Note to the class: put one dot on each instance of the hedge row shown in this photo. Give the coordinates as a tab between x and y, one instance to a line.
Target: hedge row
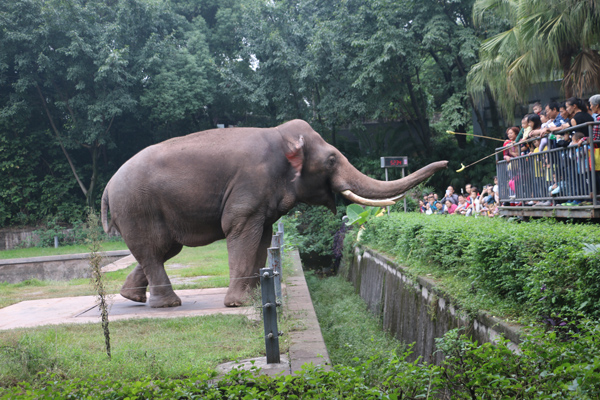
547	367
551	269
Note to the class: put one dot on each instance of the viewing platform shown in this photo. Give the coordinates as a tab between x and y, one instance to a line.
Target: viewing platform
559	182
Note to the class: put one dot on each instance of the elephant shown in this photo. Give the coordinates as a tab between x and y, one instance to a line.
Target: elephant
232	184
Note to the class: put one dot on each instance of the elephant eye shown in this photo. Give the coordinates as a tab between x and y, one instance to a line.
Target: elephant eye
331	161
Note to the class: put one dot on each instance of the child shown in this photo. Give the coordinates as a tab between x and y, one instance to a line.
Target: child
492	210
440	208
577	140
461	208
473	206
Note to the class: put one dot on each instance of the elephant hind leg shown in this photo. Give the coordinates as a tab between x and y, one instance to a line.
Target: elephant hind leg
162	294
135	285
150	273
161	291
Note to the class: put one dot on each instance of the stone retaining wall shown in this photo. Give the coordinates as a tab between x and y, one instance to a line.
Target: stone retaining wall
413	310
55	268
11	238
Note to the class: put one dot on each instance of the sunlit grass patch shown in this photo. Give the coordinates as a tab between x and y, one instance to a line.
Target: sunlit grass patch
51	251
156	348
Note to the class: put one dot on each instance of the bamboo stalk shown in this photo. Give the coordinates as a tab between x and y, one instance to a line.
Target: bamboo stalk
493	154
472	134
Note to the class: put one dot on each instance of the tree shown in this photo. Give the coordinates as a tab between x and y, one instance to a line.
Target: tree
83	65
547	40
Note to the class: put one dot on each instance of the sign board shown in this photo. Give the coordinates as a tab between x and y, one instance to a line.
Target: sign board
390	162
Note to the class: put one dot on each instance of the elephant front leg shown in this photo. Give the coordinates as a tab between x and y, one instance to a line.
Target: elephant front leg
247	255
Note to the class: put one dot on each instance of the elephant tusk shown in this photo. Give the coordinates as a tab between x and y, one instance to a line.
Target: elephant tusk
370	202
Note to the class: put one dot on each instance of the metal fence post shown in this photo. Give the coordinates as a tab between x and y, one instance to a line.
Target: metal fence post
280	232
274	257
270	315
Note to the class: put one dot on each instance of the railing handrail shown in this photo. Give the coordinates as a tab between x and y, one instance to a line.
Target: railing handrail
561	132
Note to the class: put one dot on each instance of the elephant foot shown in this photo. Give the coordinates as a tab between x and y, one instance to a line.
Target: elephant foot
163	301
135	286
134	294
235	299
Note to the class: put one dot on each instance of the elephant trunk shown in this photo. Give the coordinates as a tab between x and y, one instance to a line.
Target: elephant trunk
367	191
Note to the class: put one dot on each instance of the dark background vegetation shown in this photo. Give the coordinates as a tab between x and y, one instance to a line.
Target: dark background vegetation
84	85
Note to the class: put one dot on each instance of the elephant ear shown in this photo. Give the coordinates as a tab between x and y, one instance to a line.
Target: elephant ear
295	155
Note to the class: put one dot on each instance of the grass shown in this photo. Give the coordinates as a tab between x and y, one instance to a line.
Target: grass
353	335
143	348
51	251
193	268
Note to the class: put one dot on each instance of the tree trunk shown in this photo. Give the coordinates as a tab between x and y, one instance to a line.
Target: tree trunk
565	55
496	129
90	193
58	137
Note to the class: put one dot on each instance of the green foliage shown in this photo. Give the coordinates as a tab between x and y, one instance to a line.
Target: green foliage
353	335
85	85
315	227
540	267
31	187
547	367
78	233
358	215
543	42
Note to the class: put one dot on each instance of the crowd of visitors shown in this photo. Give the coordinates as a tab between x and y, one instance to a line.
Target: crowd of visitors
470	201
541	131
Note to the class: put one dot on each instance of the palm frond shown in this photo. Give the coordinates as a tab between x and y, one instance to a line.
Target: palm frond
545	34
505	8
584	73
504	42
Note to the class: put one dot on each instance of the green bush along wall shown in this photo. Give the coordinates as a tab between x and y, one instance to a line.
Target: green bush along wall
544	268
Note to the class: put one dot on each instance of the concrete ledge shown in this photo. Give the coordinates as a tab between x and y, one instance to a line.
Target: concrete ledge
57	268
414	310
307	345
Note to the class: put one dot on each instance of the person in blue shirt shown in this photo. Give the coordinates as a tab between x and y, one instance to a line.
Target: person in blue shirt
552	112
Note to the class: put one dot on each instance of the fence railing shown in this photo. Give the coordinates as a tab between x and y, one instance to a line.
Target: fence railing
270	283
557	175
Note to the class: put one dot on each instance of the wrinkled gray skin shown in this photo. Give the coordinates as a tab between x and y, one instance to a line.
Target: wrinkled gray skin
226	183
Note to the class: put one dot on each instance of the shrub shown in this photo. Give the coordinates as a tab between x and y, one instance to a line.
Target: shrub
547	367
78	233
541	266
312	229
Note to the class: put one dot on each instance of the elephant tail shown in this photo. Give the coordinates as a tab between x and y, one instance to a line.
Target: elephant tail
105	207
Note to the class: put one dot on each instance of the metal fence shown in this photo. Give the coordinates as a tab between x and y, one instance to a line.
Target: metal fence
270	283
557	175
